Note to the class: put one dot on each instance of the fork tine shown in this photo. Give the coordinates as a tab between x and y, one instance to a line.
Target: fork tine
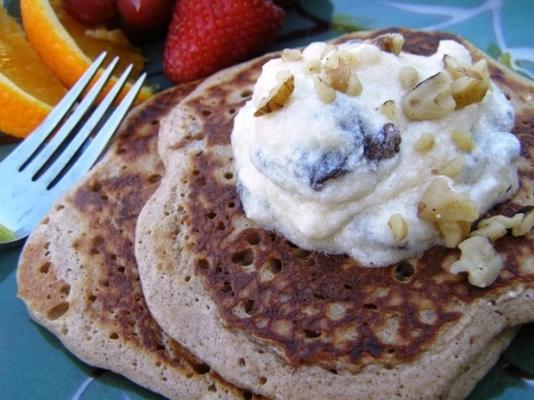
64	131
59	163
102	138
28	147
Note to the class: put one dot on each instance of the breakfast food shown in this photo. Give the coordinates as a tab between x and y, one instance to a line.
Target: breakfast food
334	188
28	90
78	276
294	323
206	35
68	47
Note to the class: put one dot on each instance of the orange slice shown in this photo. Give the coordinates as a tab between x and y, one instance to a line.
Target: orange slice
28	89
68	47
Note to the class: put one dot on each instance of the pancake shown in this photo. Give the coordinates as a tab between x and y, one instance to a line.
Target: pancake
78	277
290	323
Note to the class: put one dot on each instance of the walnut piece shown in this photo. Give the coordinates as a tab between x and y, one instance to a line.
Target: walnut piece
389	42
480	260
470	82
463	140
408	77
278	96
425	143
429	99
450	211
399	227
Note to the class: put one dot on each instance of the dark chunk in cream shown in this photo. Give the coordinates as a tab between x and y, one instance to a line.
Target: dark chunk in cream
331	166
384	145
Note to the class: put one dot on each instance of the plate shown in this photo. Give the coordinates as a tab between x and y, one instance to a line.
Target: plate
34	364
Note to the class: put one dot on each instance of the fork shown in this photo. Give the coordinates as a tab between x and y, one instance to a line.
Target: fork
60	151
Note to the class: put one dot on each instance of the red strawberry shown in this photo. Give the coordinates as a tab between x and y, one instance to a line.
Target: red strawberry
207	35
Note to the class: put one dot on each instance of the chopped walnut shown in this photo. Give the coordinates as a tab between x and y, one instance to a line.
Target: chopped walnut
441	203
453	168
480	260
463	140
289	55
430	99
425	143
389	42
278	96
313	67
408	77
388	109
449	210
470	82
398	226
527	223
325	93
342	78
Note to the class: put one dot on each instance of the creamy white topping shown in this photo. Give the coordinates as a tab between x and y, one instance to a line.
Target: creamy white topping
307	172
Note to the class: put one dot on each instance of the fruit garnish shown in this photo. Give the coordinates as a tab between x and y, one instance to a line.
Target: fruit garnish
28	89
208	35
145	14
92	12
68	47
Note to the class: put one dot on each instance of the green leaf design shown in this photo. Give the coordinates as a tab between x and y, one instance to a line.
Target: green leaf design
349	23
6	235
494	51
506	59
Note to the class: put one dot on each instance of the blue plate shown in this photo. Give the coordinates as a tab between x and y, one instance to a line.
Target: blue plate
33	363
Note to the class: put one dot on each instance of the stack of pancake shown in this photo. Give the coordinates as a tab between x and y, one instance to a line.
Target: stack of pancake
150	268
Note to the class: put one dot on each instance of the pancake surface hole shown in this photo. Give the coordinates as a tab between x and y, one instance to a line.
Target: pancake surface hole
310	334
249	306
202	263
273	265
254	238
44	268
243	258
246	93
58	310
201	368
227	287
65	290
404	271
154	178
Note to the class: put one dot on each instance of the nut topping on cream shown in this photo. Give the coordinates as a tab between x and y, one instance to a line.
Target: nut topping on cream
389	42
480	260
430	99
359	145
279	95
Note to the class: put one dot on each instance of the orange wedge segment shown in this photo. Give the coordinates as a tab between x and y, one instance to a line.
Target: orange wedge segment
68	47
28	89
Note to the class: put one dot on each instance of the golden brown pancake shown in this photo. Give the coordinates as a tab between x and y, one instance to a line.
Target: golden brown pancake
78	275
320	326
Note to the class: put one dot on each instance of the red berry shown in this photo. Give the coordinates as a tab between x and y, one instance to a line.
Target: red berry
145	14
91	12
207	35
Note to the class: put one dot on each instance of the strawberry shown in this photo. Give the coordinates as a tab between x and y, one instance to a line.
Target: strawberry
207	35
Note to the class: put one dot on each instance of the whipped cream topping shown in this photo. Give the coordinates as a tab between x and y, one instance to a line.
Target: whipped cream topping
330	176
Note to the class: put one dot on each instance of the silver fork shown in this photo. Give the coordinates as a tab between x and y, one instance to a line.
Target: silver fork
43	166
